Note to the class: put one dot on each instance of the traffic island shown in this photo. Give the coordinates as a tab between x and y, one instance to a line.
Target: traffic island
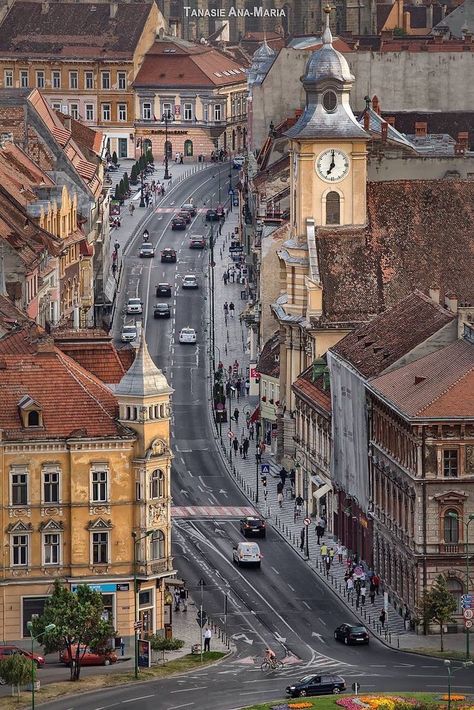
55	691
380	701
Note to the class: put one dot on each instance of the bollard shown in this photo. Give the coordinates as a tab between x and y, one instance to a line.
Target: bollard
398	641
390	637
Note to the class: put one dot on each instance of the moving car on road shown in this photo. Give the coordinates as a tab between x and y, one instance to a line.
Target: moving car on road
348	633
168	255
247	553
147	250
6	651
161	310
163	290
238	161
185	215
189	281
129	333
316	685
189	207
197	241
178	222
252	526
187	335
134	305
212	216
88	656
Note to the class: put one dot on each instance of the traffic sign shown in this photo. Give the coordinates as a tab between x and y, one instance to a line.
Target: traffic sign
468	623
201	618
468	613
356	687
307	521
231	435
231	192
264	468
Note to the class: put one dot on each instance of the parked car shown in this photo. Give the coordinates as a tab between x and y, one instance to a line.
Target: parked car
238	161
189	207
6	651
211	216
163	290
178	222
161	310
168	255
88	656
189	281
185	215
235	201
247	553
187	335
147	250
129	333
134	305
348	633
252	526
316	685
197	241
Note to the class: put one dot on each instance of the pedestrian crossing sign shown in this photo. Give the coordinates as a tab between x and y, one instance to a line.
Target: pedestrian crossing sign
264	468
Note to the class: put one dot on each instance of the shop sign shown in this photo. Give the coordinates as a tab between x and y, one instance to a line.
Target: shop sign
102	588
144	655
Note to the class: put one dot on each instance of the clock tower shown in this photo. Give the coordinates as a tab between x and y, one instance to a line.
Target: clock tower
328	147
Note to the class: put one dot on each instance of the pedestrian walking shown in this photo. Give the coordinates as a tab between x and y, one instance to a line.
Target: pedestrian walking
319	533
258	456
131	209
207	639
235	444
183	596
231	309
280	499
349	586
339	552
237	388
176	157
226	308
247	420
241	450
331	554
363	592
279	487
177	600
292	477
180	158
327	564
376	583
372	596
283	475
382	618
262	447
246	445
225	278
323	550
251	431
302	538
247	386
236	415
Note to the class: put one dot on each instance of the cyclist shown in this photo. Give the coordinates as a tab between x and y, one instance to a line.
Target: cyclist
270	656
146	235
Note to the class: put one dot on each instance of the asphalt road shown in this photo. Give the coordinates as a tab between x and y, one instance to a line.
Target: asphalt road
283	604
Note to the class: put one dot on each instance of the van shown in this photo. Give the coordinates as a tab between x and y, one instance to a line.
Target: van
247	553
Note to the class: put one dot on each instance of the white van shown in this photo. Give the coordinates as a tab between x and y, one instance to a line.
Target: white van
247	553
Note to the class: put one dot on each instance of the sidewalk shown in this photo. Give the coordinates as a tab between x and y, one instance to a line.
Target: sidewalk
186	628
231	342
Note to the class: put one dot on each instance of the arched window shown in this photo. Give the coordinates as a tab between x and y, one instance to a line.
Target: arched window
456	589
33	418
188	148
451	526
168	149
333	208
156	484
157	545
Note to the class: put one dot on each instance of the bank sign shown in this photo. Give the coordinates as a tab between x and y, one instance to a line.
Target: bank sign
103	588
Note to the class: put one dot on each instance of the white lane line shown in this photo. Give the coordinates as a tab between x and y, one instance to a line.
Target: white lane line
307	605
292	588
275	570
201	489
189	473
322	621
187	690
142	697
185	705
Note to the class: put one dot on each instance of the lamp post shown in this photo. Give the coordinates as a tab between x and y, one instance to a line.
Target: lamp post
142	196
166	118
231	390
466	523
248	410
298	462
136	540
231	201
47	629
451	672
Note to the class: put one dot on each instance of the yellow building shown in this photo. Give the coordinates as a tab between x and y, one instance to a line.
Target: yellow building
83	465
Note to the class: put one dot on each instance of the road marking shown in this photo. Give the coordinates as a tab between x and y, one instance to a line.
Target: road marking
142	697
307	605
275	570
322	621
186	705
292	588
186	690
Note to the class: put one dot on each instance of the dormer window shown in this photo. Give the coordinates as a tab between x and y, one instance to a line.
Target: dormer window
33	418
30	412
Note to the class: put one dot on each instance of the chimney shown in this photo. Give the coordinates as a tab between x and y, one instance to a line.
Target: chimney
384	131
45	345
376	105
429	17
421	129
443	11
463	138
434	294
44	7
451	302
113	9
366	121
390	120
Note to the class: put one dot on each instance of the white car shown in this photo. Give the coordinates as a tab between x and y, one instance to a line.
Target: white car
238	161
134	305
129	333
189	281
247	553
187	335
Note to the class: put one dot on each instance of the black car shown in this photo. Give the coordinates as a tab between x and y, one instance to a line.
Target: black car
163	290
316	685
212	216
189	207
252	526
178	222
168	255
348	633
161	310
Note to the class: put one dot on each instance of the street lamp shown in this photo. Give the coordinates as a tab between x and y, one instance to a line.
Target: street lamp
231	390
47	629
248	410
142	197
447	663
466	523
230	182
298	462
166	118
137	540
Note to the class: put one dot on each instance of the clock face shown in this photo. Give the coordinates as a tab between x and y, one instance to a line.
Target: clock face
332	165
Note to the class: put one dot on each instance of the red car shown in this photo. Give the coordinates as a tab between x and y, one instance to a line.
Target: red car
88	656
10	650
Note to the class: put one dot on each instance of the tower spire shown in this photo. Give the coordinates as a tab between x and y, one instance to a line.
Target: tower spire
327	34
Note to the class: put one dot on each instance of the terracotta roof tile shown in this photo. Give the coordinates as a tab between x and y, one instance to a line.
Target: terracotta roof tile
95	351
313	391
440	384
269	360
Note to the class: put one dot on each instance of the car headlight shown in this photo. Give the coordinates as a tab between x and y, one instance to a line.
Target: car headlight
292	687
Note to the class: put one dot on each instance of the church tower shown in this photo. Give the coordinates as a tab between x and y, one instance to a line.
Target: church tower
328	147
144	396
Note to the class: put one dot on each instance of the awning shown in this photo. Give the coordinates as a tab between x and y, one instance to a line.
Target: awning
316	480
256	415
322	491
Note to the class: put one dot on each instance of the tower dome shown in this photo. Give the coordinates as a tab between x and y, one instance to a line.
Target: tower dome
262	60
144	378
326	64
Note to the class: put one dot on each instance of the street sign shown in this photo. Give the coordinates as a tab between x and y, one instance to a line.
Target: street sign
468	613
264	468
201	618
231	435
231	192
356	687
137	625
307	521
468	623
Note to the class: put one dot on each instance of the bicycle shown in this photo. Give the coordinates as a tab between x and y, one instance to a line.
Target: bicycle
274	665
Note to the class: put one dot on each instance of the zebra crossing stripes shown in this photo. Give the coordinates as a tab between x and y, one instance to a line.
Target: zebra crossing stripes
211	511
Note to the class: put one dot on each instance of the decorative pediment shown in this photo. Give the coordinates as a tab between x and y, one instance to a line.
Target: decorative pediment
451	497
158	447
20	527
100	524
54	525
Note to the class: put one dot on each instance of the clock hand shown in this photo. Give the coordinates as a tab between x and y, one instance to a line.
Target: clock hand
331	167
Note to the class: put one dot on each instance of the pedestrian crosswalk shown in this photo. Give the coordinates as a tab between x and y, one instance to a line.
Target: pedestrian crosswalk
211	511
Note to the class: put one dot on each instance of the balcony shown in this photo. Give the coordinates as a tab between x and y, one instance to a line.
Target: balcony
153	567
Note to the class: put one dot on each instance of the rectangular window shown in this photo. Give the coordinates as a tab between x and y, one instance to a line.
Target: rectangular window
19	493
168	110
121	80
51	487
100	548
74	111
88	80
51	548
99	487
20	550
56	79
8	78
105	79
106	112
32	608
40	79
188	112
89	112
450	463
146	112
56	106
217	112
24	79
122	112
73	80
156	484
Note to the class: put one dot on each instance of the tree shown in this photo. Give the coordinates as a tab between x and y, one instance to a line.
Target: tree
149	156
17	670
125	182
122	187
438	606
78	623
133	174
160	643
114	158
117	192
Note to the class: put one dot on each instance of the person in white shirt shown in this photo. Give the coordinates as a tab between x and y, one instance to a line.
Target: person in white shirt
207	639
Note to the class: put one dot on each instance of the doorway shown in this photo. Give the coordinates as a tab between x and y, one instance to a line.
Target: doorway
122	148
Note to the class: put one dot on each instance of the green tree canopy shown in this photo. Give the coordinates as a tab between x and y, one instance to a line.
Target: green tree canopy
114	158
160	643
79	623
122	187
117	192
438	606
125	182
149	156
133	172
17	669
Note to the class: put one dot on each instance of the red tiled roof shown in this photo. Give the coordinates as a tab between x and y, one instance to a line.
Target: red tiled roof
417	231
269	360
438	385
20	174
83	135
11	317
373	347
313	390
94	351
